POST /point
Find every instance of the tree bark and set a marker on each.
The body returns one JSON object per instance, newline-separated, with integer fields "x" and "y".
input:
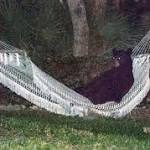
{"x": 99, "y": 8}
{"x": 80, "y": 27}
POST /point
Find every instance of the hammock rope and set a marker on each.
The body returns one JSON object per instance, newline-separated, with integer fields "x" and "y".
{"x": 143, "y": 46}
{"x": 22, "y": 76}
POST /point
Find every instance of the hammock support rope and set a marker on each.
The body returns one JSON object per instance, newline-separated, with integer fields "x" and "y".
{"x": 22, "y": 76}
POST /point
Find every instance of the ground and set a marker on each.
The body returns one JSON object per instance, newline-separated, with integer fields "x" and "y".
{"x": 41, "y": 130}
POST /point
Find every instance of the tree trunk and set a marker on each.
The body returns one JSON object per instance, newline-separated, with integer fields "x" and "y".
{"x": 99, "y": 8}
{"x": 80, "y": 27}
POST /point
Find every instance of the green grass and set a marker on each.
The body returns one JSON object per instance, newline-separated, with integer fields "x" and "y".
{"x": 36, "y": 130}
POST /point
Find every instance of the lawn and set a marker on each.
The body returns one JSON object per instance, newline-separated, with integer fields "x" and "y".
{"x": 32, "y": 130}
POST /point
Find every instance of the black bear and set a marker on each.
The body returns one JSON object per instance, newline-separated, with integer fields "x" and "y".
{"x": 113, "y": 84}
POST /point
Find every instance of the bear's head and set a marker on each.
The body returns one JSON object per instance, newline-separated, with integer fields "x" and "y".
{"x": 122, "y": 57}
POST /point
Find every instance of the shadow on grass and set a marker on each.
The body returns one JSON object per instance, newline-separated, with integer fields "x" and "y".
{"x": 28, "y": 120}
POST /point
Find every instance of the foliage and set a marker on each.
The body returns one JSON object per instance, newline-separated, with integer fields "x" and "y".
{"x": 37, "y": 130}
{"x": 15, "y": 27}
{"x": 39, "y": 26}
{"x": 117, "y": 31}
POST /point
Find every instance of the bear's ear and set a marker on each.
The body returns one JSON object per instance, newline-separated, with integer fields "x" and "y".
{"x": 114, "y": 51}
{"x": 129, "y": 51}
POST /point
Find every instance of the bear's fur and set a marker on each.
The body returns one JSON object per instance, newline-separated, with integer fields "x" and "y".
{"x": 113, "y": 84}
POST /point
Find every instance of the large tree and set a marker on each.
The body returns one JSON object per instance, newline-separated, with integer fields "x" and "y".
{"x": 80, "y": 27}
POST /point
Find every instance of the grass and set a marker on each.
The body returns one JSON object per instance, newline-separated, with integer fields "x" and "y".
{"x": 35, "y": 130}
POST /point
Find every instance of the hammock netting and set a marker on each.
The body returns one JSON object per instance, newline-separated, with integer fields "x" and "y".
{"x": 22, "y": 76}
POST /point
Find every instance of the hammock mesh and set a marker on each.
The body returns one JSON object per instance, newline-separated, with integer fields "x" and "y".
{"x": 22, "y": 76}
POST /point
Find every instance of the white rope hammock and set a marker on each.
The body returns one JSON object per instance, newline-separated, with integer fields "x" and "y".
{"x": 22, "y": 76}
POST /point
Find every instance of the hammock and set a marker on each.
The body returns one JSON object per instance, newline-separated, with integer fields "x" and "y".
{"x": 22, "y": 76}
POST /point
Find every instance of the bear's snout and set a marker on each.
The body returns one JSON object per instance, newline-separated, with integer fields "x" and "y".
{"x": 116, "y": 63}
